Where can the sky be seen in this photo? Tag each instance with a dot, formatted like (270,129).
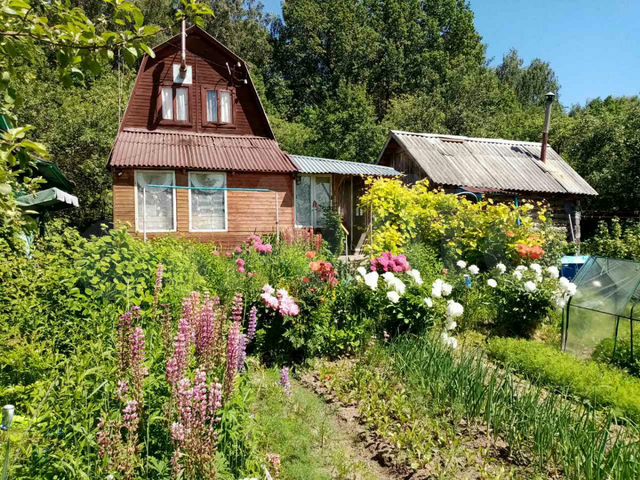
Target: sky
(592,45)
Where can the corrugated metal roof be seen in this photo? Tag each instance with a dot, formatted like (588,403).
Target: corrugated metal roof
(307,164)
(491,163)
(173,149)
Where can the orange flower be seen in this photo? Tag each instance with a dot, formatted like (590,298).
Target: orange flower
(310,254)
(315,266)
(510,234)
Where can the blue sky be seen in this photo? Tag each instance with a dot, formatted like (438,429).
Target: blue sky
(593,45)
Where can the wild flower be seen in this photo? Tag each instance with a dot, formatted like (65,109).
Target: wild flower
(285,381)
(454,310)
(253,323)
(393,296)
(474,269)
(501,268)
(461,264)
(530,286)
(492,283)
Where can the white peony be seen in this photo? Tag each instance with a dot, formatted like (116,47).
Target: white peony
(362,271)
(446,289)
(393,296)
(399,286)
(530,286)
(436,289)
(415,274)
(389,277)
(521,268)
(492,283)
(553,271)
(428,302)
(371,280)
(454,310)
(450,324)
(563,283)
(536,267)
(517,274)
(572,288)
(450,342)
(474,269)
(501,267)
(461,264)
(561,302)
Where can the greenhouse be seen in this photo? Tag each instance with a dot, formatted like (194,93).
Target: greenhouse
(604,313)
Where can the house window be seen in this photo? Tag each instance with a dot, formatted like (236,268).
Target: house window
(207,208)
(313,193)
(156,207)
(219,106)
(175,104)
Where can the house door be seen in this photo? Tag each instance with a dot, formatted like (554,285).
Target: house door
(359,217)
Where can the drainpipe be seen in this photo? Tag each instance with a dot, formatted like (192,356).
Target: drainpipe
(547,123)
(183,52)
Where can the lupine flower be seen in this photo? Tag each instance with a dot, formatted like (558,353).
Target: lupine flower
(492,283)
(285,381)
(138,370)
(178,363)
(158,287)
(242,352)
(474,269)
(238,308)
(253,323)
(454,310)
(529,286)
(205,332)
(233,354)
(130,416)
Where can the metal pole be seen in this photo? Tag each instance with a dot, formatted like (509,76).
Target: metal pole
(144,212)
(277,217)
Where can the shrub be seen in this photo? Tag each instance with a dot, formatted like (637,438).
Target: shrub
(615,241)
(621,357)
(594,382)
(483,232)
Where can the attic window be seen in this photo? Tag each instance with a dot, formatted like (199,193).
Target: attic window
(175,104)
(218,105)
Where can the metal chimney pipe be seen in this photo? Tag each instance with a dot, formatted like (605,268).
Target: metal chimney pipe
(547,125)
(183,53)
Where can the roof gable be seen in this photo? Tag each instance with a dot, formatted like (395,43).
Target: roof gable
(490,163)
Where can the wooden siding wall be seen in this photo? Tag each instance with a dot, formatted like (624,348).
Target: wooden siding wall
(394,156)
(208,69)
(247,212)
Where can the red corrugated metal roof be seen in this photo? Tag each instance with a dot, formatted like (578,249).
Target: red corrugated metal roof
(199,151)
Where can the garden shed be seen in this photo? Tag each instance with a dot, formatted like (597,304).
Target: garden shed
(604,313)
(505,170)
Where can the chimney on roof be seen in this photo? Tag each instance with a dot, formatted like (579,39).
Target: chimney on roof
(547,124)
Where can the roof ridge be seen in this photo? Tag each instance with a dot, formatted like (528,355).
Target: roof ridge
(466,138)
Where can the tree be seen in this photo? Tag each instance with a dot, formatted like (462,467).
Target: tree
(76,45)
(530,83)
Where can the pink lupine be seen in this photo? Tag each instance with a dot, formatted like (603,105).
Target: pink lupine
(138,370)
(123,389)
(238,308)
(233,352)
(242,352)
(205,333)
(285,381)
(130,416)
(158,286)
(253,323)
(215,399)
(177,365)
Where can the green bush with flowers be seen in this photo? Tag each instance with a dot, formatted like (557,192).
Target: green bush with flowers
(483,233)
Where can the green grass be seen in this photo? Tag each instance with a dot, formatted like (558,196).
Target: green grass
(591,381)
(303,431)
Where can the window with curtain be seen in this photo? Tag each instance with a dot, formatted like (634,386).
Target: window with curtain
(175,103)
(313,193)
(219,106)
(155,206)
(207,208)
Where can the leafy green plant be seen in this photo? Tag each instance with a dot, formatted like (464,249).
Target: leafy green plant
(618,354)
(615,241)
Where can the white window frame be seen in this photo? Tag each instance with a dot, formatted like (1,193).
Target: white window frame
(313,197)
(226,209)
(173,192)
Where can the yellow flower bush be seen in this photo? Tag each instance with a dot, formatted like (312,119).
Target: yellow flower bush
(481,232)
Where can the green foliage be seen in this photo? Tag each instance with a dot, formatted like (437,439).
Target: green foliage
(593,382)
(618,353)
(615,241)
(482,233)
